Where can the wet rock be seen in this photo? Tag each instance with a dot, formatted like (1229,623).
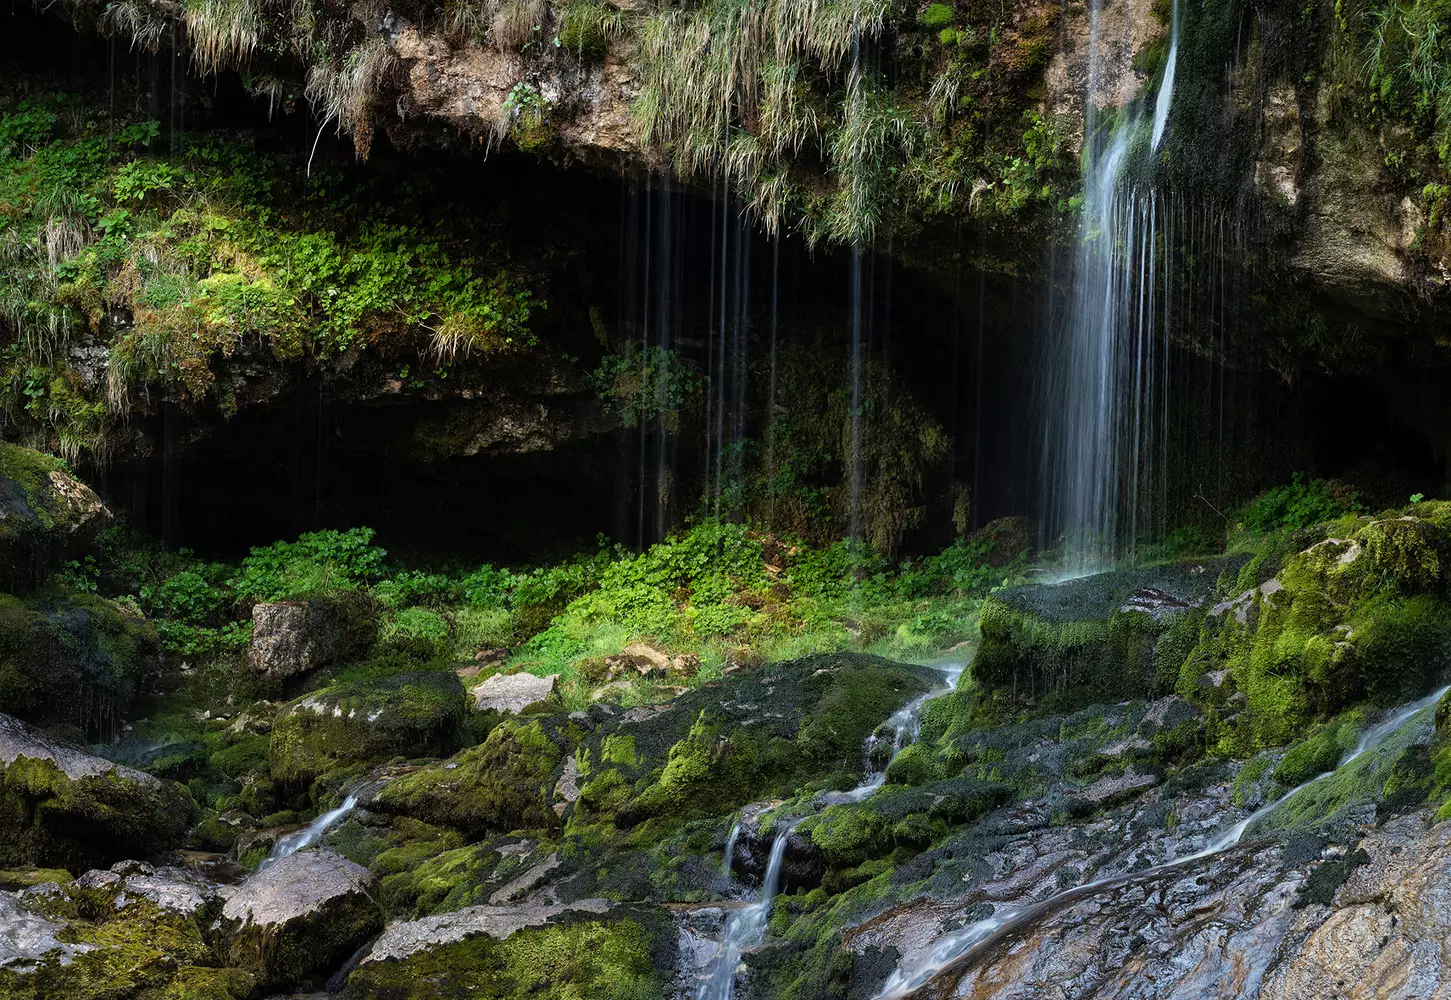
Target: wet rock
(28,939)
(64,807)
(304,913)
(410,715)
(510,694)
(46,516)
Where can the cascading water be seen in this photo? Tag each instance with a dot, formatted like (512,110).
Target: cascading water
(746,927)
(1101,389)
(955,950)
(295,842)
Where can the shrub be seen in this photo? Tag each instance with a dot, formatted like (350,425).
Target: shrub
(317,563)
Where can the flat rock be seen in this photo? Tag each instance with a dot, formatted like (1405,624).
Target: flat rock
(510,694)
(407,937)
(296,886)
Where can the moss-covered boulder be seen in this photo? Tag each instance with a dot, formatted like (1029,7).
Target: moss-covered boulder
(356,724)
(1115,635)
(46,515)
(67,808)
(513,953)
(1361,613)
(304,913)
(503,784)
(73,659)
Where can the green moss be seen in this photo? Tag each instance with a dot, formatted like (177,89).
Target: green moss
(937,15)
(1316,755)
(621,957)
(504,784)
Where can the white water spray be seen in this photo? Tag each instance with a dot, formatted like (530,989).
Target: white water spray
(1166,88)
(953,948)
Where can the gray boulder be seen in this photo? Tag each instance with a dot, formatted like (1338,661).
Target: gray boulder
(305,913)
(510,694)
(293,637)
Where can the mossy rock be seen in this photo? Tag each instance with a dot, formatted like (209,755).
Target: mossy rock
(1115,635)
(73,659)
(46,515)
(355,724)
(503,784)
(625,954)
(62,807)
(1360,614)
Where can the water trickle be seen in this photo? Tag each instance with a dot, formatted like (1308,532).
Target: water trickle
(295,842)
(745,928)
(954,950)
(1166,88)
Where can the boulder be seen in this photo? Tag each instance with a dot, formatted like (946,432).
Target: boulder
(403,938)
(293,637)
(65,807)
(510,694)
(46,515)
(306,912)
(412,715)
(75,660)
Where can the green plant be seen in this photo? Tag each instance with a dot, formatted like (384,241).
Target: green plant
(1300,504)
(317,563)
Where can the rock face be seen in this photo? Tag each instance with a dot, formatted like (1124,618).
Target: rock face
(408,937)
(67,808)
(304,913)
(46,515)
(410,715)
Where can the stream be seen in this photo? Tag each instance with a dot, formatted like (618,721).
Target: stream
(745,928)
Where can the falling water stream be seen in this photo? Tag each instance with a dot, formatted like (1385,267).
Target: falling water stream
(745,927)
(1109,350)
(294,842)
(957,950)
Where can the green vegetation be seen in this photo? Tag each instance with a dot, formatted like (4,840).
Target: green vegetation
(184,260)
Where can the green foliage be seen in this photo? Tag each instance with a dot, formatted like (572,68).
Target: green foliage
(1300,504)
(641,385)
(936,15)
(417,632)
(318,563)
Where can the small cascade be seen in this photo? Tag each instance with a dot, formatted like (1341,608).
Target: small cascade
(295,842)
(745,928)
(956,949)
(730,848)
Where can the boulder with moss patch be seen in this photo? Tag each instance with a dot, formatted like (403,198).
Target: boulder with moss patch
(1121,634)
(293,637)
(355,724)
(61,806)
(46,515)
(587,950)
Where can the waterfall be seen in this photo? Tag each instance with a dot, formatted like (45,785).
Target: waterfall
(1101,390)
(295,842)
(955,949)
(746,928)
